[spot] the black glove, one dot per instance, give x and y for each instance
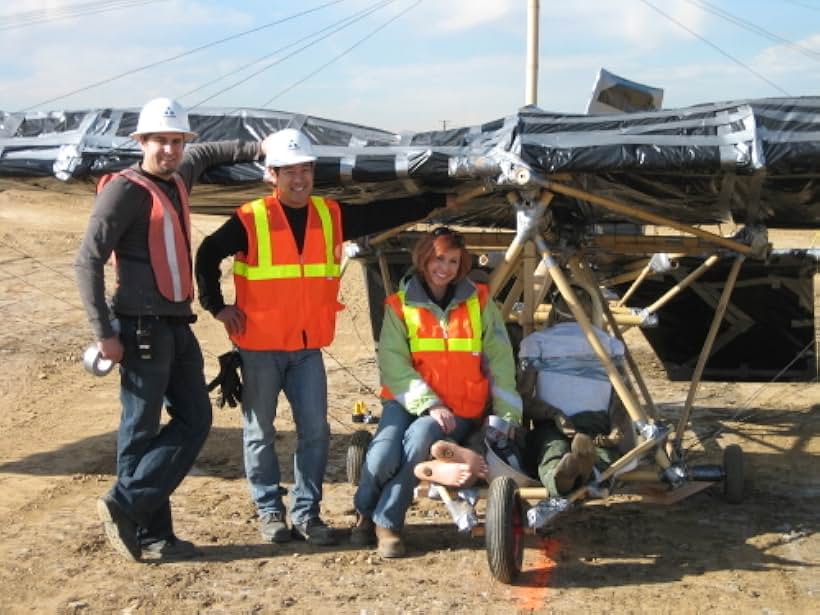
(228, 381)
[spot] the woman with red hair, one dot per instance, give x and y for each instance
(444, 361)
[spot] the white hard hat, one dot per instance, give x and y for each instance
(163, 115)
(288, 147)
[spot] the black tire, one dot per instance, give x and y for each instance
(355, 455)
(733, 472)
(504, 531)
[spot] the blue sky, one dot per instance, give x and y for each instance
(410, 64)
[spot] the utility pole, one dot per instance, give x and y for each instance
(531, 92)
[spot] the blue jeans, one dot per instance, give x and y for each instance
(152, 461)
(402, 441)
(301, 375)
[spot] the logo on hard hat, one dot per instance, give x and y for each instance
(292, 144)
(169, 112)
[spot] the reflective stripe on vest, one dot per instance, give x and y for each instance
(412, 317)
(266, 270)
(167, 241)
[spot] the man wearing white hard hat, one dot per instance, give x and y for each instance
(142, 216)
(287, 252)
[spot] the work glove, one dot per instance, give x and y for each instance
(228, 380)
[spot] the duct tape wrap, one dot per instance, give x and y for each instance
(94, 363)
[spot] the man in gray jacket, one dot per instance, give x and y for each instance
(142, 215)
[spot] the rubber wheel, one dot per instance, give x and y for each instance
(733, 471)
(355, 455)
(504, 529)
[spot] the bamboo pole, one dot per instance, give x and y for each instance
(512, 298)
(502, 272)
(638, 281)
(384, 269)
(707, 348)
(639, 214)
(635, 411)
(528, 265)
(459, 200)
(616, 331)
(677, 288)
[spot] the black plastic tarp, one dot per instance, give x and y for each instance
(753, 161)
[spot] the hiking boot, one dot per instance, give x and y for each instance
(363, 534)
(119, 529)
(390, 543)
(169, 550)
(567, 473)
(584, 449)
(273, 528)
(575, 467)
(314, 531)
(583, 446)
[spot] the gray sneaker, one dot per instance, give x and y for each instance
(119, 529)
(273, 528)
(314, 531)
(169, 550)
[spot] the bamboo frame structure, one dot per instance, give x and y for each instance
(530, 266)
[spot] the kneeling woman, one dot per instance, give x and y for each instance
(444, 359)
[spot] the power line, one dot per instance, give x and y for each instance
(746, 405)
(716, 48)
(350, 21)
(751, 27)
(183, 54)
(343, 53)
(15, 21)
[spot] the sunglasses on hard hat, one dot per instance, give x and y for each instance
(443, 231)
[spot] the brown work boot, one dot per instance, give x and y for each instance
(363, 534)
(390, 544)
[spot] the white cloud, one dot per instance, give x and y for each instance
(459, 15)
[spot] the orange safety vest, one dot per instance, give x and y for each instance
(167, 240)
(289, 299)
(447, 355)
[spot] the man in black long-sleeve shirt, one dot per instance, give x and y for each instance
(142, 215)
(287, 249)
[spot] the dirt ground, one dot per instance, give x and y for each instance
(57, 455)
